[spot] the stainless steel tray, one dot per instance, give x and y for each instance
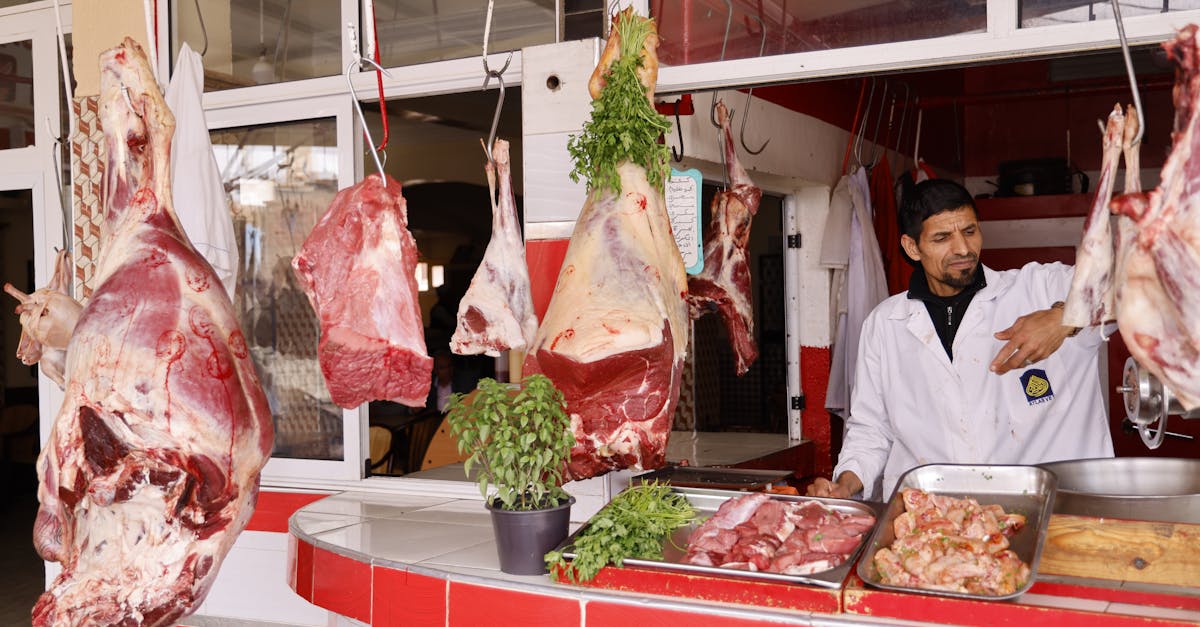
(1160, 489)
(706, 502)
(1027, 490)
(716, 478)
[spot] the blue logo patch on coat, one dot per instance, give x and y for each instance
(1036, 386)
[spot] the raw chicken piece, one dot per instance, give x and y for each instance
(615, 333)
(358, 267)
(152, 465)
(723, 285)
(1091, 299)
(1158, 304)
(496, 313)
(48, 318)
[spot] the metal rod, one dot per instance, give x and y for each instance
(1137, 98)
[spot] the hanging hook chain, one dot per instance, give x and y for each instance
(1137, 98)
(487, 33)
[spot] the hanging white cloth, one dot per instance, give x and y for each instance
(849, 247)
(200, 202)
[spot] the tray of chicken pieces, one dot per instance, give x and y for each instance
(777, 537)
(966, 531)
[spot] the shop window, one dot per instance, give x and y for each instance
(281, 178)
(16, 94)
(698, 31)
(255, 42)
(1035, 13)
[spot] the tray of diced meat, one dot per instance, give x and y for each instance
(767, 536)
(965, 531)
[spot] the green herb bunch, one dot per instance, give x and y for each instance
(632, 525)
(624, 126)
(518, 437)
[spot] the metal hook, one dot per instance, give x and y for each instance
(677, 156)
(712, 111)
(358, 107)
(487, 33)
(746, 114)
(1137, 98)
(129, 101)
(496, 116)
(203, 29)
(862, 127)
(903, 116)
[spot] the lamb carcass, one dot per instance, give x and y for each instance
(615, 333)
(724, 283)
(48, 318)
(358, 268)
(152, 465)
(1091, 300)
(496, 313)
(1158, 298)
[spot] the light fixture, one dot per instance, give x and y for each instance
(422, 276)
(263, 71)
(437, 276)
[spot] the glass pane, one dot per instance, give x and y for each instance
(711, 30)
(4, 4)
(281, 179)
(1049, 12)
(252, 42)
(417, 32)
(16, 95)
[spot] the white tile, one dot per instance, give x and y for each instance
(482, 556)
(253, 585)
(1045, 600)
(317, 522)
(456, 512)
(1154, 612)
(371, 505)
(404, 541)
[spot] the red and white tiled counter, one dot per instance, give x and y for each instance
(386, 559)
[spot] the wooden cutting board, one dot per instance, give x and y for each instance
(1122, 550)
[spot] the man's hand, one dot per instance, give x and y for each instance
(846, 485)
(1032, 338)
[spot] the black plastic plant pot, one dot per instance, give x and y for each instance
(524, 537)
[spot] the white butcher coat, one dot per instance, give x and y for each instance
(200, 202)
(912, 406)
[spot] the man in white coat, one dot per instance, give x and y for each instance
(940, 379)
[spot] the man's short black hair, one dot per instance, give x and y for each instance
(929, 198)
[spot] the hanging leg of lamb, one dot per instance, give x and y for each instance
(1158, 307)
(48, 318)
(615, 333)
(1090, 301)
(496, 313)
(724, 283)
(358, 268)
(152, 465)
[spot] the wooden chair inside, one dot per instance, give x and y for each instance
(420, 433)
(442, 449)
(381, 450)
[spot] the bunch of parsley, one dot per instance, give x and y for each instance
(633, 525)
(624, 126)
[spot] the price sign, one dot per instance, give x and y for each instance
(683, 205)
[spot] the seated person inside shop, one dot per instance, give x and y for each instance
(944, 375)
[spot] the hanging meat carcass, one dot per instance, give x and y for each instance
(358, 268)
(615, 334)
(48, 318)
(496, 313)
(724, 283)
(1158, 294)
(152, 465)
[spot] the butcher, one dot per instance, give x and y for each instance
(942, 375)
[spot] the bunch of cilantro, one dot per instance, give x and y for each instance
(632, 525)
(624, 126)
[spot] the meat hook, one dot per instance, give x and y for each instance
(677, 156)
(128, 100)
(496, 116)
(746, 114)
(358, 107)
(1137, 98)
(487, 32)
(203, 29)
(712, 111)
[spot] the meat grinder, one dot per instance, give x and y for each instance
(1148, 403)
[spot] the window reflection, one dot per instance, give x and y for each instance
(16, 95)
(280, 180)
(1051, 12)
(699, 31)
(419, 32)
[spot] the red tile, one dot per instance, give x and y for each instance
(472, 606)
(273, 509)
(604, 614)
(341, 585)
(300, 567)
(404, 598)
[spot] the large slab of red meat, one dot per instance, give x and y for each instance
(615, 332)
(1158, 257)
(723, 285)
(152, 465)
(496, 314)
(358, 268)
